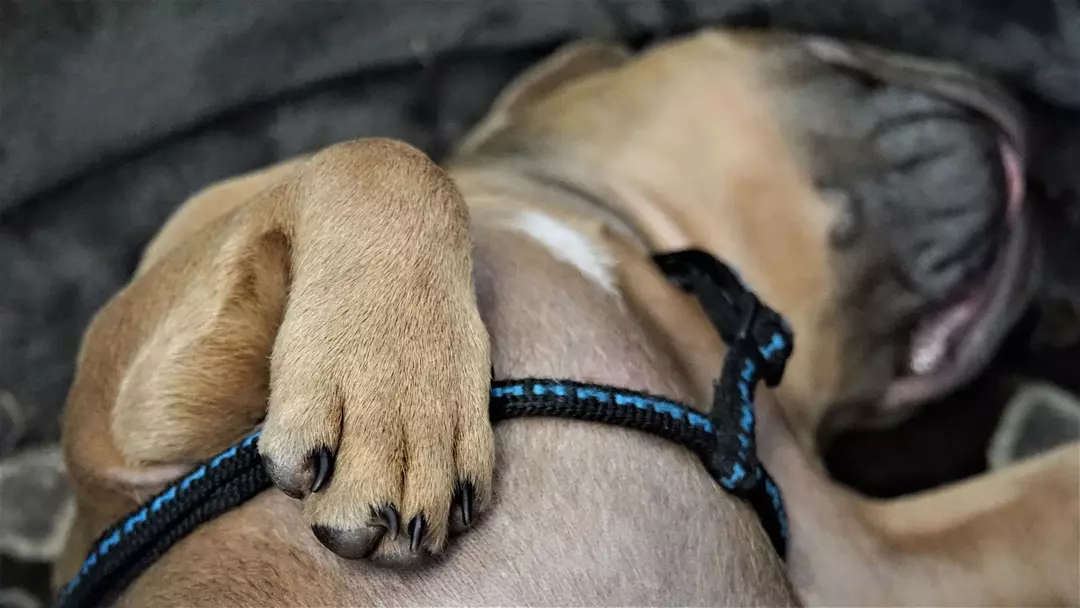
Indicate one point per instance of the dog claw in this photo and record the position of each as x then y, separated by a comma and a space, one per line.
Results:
388, 516
465, 499
323, 465
416, 533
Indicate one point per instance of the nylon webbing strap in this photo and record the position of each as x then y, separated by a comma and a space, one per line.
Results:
759, 344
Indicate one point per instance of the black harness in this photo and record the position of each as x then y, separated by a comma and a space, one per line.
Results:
759, 344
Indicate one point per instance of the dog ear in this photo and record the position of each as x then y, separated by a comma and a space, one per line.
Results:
570, 62
941, 78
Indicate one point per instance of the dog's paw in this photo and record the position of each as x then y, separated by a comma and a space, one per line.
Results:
380, 374
385, 437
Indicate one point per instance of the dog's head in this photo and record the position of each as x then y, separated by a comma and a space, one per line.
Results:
874, 199
930, 243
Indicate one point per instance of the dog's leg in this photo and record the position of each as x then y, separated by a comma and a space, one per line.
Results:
1011, 537
381, 368
339, 304
211, 204
1007, 538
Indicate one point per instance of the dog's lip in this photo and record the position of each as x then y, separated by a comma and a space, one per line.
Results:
1003, 297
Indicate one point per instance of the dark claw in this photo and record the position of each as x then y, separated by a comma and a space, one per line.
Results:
465, 499
416, 532
388, 516
324, 465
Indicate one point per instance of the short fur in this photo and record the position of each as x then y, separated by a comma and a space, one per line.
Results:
372, 282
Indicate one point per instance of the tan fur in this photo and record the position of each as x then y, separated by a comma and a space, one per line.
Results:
350, 273
216, 201
264, 281
987, 541
529, 548
696, 157
1008, 538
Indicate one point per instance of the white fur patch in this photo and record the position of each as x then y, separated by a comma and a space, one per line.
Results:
569, 245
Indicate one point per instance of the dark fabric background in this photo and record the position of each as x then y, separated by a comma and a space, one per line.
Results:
111, 113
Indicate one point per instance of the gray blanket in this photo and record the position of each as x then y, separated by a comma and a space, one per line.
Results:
111, 113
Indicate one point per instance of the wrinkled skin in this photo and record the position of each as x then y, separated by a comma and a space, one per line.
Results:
922, 199
921, 164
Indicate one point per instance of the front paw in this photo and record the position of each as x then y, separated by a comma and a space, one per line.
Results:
380, 374
389, 446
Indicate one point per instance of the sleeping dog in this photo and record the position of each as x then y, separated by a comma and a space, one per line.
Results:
357, 302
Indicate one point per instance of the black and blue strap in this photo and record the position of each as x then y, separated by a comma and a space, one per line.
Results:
729, 457
759, 344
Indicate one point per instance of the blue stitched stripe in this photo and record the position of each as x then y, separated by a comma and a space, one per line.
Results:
639, 402
748, 370
109, 543
198, 474
220, 458
737, 475
162, 500
670, 409
776, 342
594, 394
549, 389
515, 390
138, 518
252, 438
746, 423
696, 419
778, 506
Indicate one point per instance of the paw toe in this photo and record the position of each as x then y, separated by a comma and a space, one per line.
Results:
300, 478
350, 543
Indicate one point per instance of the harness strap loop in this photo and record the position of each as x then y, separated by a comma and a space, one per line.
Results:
759, 345
736, 312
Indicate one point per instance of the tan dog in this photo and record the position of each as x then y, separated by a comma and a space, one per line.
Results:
349, 273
